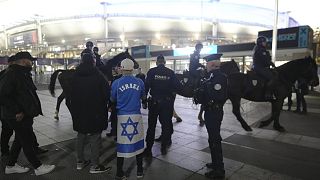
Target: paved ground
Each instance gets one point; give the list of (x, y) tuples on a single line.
[(261, 154)]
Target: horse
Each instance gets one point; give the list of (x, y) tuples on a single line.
[(65, 76), (252, 87)]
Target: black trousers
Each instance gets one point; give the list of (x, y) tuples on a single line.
[(25, 139), (6, 134), (213, 119), (164, 110), (114, 120), (120, 161)]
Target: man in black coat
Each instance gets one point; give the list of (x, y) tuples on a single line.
[(19, 105), (89, 97), (7, 131)]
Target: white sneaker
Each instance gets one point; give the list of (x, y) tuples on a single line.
[(16, 169), (44, 169)]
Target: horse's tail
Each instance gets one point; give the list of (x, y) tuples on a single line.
[(53, 81)]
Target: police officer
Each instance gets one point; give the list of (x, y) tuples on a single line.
[(98, 57), (261, 64), (162, 83), (194, 61), (213, 92), (88, 49)]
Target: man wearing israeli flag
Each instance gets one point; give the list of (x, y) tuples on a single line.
[(127, 93)]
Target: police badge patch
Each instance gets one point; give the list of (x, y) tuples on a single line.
[(254, 82), (217, 87)]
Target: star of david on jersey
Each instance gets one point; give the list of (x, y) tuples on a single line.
[(125, 125)]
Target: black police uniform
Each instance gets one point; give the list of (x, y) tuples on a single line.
[(98, 60), (162, 83), (212, 94), (262, 62), (194, 64)]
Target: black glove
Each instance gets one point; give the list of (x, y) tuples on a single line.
[(145, 104)]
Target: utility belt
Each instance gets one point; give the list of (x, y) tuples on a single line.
[(155, 101), (212, 105)]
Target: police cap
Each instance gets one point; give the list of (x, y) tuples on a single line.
[(261, 39), (212, 57), (24, 55)]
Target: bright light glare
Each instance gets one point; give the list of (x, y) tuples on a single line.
[(122, 37), (158, 36)]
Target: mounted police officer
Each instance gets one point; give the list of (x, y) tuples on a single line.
[(98, 57), (212, 94), (194, 62), (163, 84), (261, 64)]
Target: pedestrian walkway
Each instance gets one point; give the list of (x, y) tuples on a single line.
[(260, 154)]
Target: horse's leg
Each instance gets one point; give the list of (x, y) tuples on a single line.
[(268, 121), (201, 121), (59, 100), (236, 111), (276, 114)]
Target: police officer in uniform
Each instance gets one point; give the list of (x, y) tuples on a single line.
[(88, 49), (194, 62), (261, 64), (162, 83), (98, 57), (212, 94)]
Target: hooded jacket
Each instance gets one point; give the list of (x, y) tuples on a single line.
[(89, 97)]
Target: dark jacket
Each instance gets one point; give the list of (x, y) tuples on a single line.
[(194, 62), (18, 93), (261, 58), (98, 60), (162, 83), (141, 76), (89, 97)]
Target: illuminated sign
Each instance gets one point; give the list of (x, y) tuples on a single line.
[(295, 37), (212, 49)]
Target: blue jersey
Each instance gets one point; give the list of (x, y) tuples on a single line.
[(127, 92)]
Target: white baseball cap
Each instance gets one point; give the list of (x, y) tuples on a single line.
[(127, 64)]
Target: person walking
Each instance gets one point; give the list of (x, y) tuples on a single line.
[(127, 93), (20, 104), (88, 100)]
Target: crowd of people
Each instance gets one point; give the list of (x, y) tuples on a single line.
[(93, 94)]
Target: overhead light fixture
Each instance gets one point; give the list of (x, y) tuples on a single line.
[(158, 36)]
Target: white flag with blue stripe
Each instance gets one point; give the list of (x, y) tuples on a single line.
[(130, 135)]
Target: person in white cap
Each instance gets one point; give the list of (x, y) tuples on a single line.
[(127, 93)]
